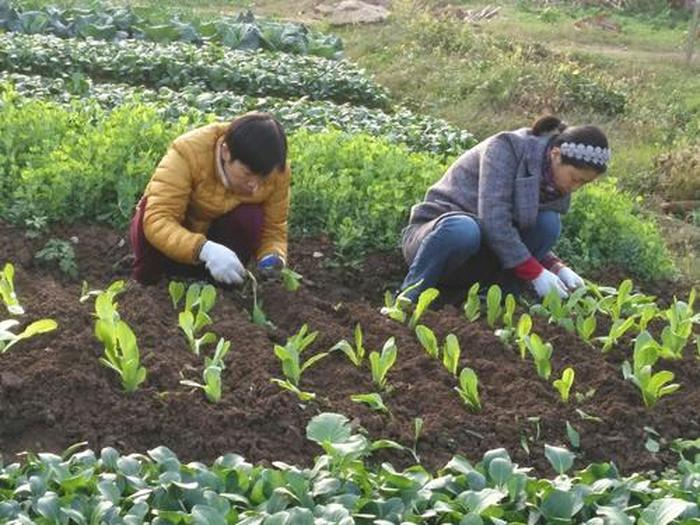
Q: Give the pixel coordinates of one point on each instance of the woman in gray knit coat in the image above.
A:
(496, 212)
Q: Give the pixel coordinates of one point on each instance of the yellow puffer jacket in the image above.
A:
(185, 195)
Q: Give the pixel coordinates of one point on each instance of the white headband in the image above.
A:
(587, 153)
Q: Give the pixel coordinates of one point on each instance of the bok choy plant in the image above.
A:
(121, 352)
(290, 356)
(213, 367)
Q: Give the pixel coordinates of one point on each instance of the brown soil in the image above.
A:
(54, 392)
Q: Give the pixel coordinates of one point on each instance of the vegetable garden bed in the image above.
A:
(54, 391)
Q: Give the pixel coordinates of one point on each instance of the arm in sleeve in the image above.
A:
(497, 170)
(168, 196)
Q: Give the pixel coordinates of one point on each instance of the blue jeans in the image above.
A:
(453, 253)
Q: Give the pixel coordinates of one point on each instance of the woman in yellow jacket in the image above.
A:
(220, 196)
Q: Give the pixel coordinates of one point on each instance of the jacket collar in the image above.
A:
(534, 154)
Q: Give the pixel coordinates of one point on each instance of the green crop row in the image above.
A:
(178, 65)
(86, 164)
(418, 132)
(342, 488)
(117, 23)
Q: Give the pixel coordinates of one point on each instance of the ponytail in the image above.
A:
(548, 125)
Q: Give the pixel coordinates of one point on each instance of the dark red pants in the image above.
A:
(240, 230)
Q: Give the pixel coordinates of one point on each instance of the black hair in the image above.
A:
(561, 133)
(257, 140)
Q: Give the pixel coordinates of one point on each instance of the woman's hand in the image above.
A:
(547, 281)
(570, 278)
(223, 264)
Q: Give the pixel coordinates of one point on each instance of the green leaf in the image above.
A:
(663, 511)
(426, 297)
(328, 427)
(176, 290)
(573, 435)
(558, 505)
(564, 384)
(560, 458)
(373, 400)
(427, 339)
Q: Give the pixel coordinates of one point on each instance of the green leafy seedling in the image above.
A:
(8, 339)
(176, 290)
(213, 367)
(522, 331)
(425, 299)
(7, 290)
(542, 353)
(291, 280)
(451, 353)
(472, 306)
(292, 367)
(427, 339)
(356, 354)
(382, 363)
(564, 384)
(468, 389)
(395, 307)
(373, 400)
(493, 305)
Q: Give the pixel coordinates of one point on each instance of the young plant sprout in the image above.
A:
(493, 305)
(585, 327)
(617, 330)
(509, 311)
(8, 339)
(382, 363)
(424, 301)
(176, 290)
(291, 280)
(357, 354)
(395, 307)
(213, 367)
(542, 353)
(121, 352)
(472, 306)
(521, 333)
(427, 339)
(7, 290)
(257, 316)
(450, 354)
(653, 386)
(199, 300)
(563, 385)
(468, 389)
(290, 356)
(373, 401)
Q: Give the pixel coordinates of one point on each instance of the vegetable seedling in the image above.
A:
(472, 306)
(213, 367)
(357, 354)
(542, 353)
(493, 305)
(7, 290)
(290, 356)
(428, 341)
(451, 353)
(382, 363)
(8, 339)
(425, 299)
(121, 352)
(564, 384)
(373, 400)
(291, 280)
(468, 389)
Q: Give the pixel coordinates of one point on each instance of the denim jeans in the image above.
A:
(454, 254)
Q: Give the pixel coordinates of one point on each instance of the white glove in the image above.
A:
(223, 264)
(570, 278)
(547, 281)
